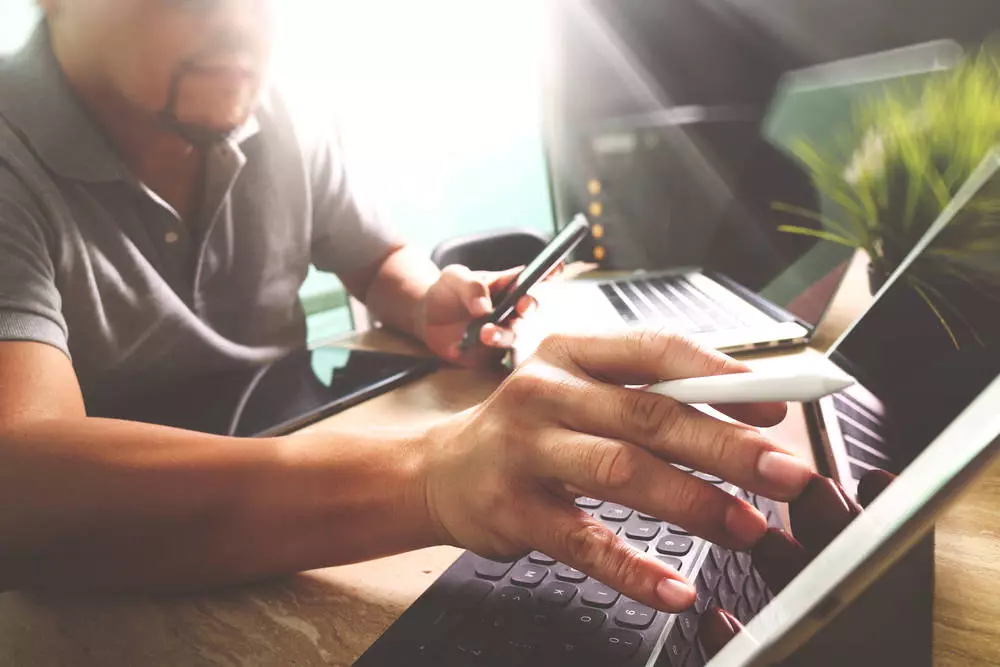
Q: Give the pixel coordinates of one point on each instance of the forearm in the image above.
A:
(395, 292)
(98, 503)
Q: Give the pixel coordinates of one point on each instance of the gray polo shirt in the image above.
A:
(97, 265)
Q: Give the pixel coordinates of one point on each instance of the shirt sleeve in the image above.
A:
(349, 233)
(30, 304)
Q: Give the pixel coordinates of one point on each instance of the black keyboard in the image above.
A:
(672, 302)
(535, 611)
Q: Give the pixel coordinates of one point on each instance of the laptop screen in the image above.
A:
(928, 346)
(673, 130)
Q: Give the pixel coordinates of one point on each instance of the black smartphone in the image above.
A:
(561, 245)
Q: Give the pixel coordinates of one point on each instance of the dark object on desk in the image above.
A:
(294, 391)
(540, 613)
(496, 250)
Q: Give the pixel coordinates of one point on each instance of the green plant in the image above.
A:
(900, 161)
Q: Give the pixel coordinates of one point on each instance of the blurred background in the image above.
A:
(672, 123)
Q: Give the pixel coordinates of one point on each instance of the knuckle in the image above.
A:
(556, 342)
(613, 465)
(586, 542)
(527, 383)
(649, 414)
(624, 566)
(689, 497)
(721, 443)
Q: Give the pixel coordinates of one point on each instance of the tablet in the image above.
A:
(923, 414)
(309, 385)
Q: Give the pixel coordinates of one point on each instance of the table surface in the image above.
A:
(330, 616)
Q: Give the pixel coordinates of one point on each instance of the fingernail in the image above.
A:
(483, 306)
(675, 595)
(787, 474)
(497, 338)
(746, 524)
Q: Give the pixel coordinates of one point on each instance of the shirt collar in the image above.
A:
(37, 100)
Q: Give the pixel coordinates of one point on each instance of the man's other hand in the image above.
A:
(501, 478)
(454, 301)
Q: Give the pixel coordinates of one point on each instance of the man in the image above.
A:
(158, 210)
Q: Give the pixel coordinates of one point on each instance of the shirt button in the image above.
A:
(171, 237)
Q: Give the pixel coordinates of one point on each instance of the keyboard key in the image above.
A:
(688, 623)
(710, 575)
(616, 513)
(521, 649)
(620, 645)
(567, 652)
(672, 561)
(638, 545)
(472, 592)
(727, 596)
(643, 531)
(588, 503)
(473, 648)
(694, 659)
(619, 304)
(631, 614)
(584, 619)
(735, 573)
(677, 530)
(613, 526)
(674, 545)
(557, 593)
(491, 569)
(571, 574)
(538, 558)
(513, 597)
(743, 611)
(528, 575)
(597, 594)
(676, 648)
(648, 517)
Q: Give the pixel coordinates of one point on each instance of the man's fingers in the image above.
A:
(492, 335)
(526, 305)
(641, 356)
(580, 541)
(716, 628)
(473, 292)
(623, 473)
(872, 484)
(778, 558)
(682, 434)
(646, 356)
(820, 513)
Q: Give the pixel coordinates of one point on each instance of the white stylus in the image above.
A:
(757, 387)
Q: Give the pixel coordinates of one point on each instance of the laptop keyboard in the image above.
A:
(863, 434)
(673, 302)
(536, 611)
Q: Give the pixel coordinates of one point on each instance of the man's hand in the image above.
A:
(459, 297)
(820, 513)
(501, 478)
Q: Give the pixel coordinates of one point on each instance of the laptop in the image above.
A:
(685, 195)
(929, 408)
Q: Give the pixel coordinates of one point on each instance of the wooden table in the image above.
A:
(330, 616)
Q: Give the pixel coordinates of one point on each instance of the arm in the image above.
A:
(100, 503)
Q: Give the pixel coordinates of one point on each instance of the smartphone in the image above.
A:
(561, 245)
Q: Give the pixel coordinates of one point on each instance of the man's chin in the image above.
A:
(200, 133)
